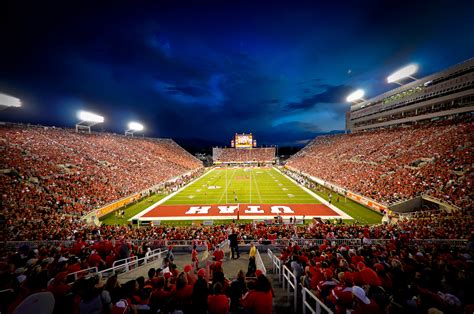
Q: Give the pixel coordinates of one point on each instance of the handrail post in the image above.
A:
(303, 292)
(295, 295)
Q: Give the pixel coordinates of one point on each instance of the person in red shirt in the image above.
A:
(325, 286)
(364, 305)
(110, 258)
(367, 276)
(191, 278)
(218, 254)
(195, 257)
(385, 280)
(183, 293)
(94, 259)
(341, 295)
(218, 303)
(160, 298)
(316, 276)
(259, 300)
(73, 265)
(59, 287)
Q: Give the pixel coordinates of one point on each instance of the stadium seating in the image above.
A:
(228, 155)
(396, 164)
(54, 174)
(396, 262)
(50, 177)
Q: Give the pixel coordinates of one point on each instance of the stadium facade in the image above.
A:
(243, 150)
(444, 94)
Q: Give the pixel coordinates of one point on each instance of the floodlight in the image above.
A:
(9, 101)
(87, 120)
(405, 72)
(135, 126)
(356, 95)
(90, 117)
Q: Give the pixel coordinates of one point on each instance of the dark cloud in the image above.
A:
(330, 95)
(210, 70)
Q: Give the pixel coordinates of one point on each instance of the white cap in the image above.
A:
(360, 294)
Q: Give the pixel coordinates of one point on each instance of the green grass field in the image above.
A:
(360, 213)
(244, 185)
(131, 210)
(250, 185)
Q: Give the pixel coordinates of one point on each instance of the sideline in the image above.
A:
(143, 212)
(342, 214)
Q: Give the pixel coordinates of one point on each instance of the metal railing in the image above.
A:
(121, 266)
(259, 263)
(319, 306)
(153, 243)
(289, 281)
(276, 264)
(83, 273)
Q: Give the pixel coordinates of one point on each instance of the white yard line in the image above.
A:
(258, 191)
(164, 199)
(268, 217)
(227, 186)
(342, 214)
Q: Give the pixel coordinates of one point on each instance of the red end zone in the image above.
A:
(244, 211)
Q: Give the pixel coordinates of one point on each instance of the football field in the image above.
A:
(243, 185)
(247, 193)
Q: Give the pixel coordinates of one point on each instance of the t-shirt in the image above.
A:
(362, 308)
(258, 302)
(219, 255)
(253, 251)
(217, 304)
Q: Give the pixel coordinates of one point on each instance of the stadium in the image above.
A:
(375, 219)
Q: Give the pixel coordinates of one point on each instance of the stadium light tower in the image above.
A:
(403, 73)
(7, 101)
(356, 96)
(134, 127)
(87, 120)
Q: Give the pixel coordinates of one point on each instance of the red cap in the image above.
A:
(379, 267)
(348, 276)
(328, 272)
(258, 272)
(187, 268)
(201, 272)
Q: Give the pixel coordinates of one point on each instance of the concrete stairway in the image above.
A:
(282, 302)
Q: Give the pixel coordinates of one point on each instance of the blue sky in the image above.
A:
(208, 69)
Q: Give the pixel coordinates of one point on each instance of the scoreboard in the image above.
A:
(243, 141)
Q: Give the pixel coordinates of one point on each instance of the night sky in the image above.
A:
(205, 70)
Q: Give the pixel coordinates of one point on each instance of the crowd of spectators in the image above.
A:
(165, 290)
(101, 246)
(391, 165)
(228, 155)
(385, 278)
(50, 176)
